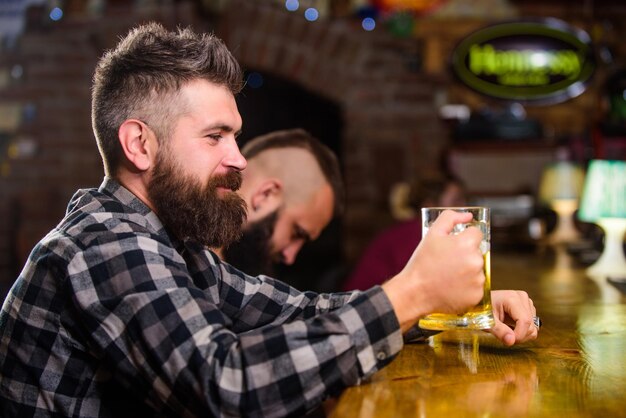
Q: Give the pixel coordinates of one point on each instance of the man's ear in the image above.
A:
(135, 139)
(267, 197)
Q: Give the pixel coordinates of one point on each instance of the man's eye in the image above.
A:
(215, 137)
(300, 233)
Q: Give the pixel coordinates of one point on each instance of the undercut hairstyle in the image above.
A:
(141, 78)
(299, 138)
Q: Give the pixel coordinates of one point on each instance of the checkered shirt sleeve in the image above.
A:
(111, 318)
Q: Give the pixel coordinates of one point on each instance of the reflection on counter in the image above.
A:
(602, 332)
(494, 387)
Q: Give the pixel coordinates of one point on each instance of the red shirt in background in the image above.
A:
(386, 255)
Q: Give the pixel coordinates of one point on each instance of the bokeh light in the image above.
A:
(17, 71)
(368, 24)
(56, 14)
(292, 5)
(311, 14)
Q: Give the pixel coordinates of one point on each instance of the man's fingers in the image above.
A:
(523, 314)
(502, 332)
(444, 224)
(517, 310)
(524, 328)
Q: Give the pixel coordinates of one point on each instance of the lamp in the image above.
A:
(604, 203)
(560, 188)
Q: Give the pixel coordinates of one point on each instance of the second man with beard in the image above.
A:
(293, 188)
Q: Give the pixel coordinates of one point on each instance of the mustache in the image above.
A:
(231, 180)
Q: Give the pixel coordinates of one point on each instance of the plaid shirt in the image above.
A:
(112, 318)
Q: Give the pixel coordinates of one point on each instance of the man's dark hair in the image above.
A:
(299, 138)
(141, 77)
(430, 188)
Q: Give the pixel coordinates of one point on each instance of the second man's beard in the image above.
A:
(252, 253)
(191, 211)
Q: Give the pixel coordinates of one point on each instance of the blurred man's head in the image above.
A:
(442, 190)
(406, 199)
(293, 189)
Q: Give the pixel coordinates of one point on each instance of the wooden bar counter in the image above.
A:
(576, 368)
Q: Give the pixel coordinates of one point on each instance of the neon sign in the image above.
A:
(542, 62)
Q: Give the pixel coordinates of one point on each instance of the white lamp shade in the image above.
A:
(561, 180)
(560, 188)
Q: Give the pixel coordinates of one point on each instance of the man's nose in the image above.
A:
(291, 252)
(234, 159)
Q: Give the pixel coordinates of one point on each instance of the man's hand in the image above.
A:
(445, 273)
(514, 312)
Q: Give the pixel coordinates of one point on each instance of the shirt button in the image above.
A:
(381, 355)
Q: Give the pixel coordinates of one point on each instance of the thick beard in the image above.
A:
(252, 253)
(192, 212)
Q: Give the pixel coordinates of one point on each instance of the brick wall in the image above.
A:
(53, 93)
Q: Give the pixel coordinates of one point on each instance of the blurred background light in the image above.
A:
(368, 24)
(56, 14)
(292, 5)
(311, 14)
(17, 71)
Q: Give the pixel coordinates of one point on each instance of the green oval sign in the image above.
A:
(543, 62)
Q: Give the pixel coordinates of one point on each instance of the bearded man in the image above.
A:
(292, 188)
(122, 310)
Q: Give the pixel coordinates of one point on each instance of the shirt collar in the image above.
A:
(111, 187)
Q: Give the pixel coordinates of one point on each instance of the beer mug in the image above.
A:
(480, 316)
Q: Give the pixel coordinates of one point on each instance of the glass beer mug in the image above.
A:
(480, 316)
